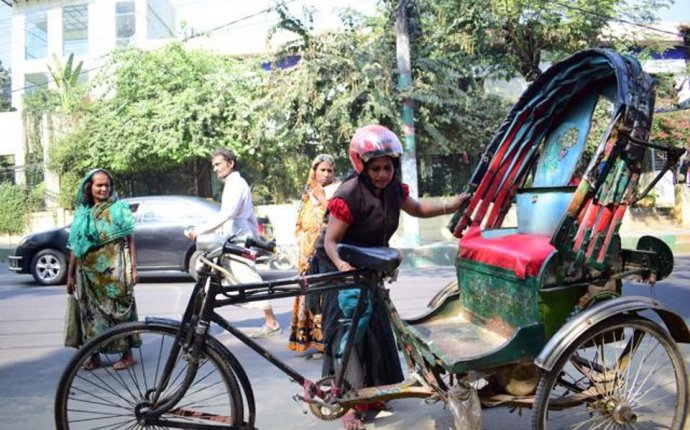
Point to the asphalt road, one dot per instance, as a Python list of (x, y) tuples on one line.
[(32, 355)]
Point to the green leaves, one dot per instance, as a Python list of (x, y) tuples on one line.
[(15, 208), (5, 90)]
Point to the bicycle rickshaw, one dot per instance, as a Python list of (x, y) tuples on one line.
[(536, 319)]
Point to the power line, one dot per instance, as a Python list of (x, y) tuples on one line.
[(610, 18), (192, 36), (204, 33), (269, 9)]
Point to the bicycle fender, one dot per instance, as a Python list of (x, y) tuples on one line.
[(574, 328), (229, 358)]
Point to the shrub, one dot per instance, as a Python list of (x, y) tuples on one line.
[(14, 211)]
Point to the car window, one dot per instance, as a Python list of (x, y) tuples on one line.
[(173, 211)]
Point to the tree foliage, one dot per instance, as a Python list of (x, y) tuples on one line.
[(167, 109), (163, 108), (66, 78), (5, 90), (347, 79), (670, 126), (14, 210), (521, 32)]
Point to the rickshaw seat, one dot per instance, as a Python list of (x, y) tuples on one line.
[(380, 259), (521, 253)]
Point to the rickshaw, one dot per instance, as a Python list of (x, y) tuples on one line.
[(536, 319)]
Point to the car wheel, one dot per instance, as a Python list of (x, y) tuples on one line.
[(193, 263), (49, 267)]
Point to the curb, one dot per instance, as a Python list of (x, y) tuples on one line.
[(678, 241), (4, 253), (444, 253), (432, 255)]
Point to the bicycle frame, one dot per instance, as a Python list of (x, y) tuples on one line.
[(201, 311)]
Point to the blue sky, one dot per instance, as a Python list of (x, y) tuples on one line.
[(679, 12)]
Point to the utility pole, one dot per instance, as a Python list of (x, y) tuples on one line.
[(409, 158)]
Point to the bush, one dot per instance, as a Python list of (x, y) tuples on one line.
[(15, 209), (69, 182), (36, 198)]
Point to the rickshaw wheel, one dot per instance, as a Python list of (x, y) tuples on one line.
[(625, 372)]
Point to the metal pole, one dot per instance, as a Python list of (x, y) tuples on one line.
[(409, 159)]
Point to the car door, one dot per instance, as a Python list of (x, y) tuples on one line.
[(159, 238)]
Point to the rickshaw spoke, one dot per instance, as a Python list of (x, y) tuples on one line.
[(624, 373)]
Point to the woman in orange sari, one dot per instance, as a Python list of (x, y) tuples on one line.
[(305, 331)]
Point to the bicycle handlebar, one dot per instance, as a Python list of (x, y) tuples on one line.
[(269, 246)]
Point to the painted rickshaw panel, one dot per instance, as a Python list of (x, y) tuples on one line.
[(509, 303)]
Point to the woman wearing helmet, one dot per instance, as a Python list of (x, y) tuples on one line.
[(365, 211)]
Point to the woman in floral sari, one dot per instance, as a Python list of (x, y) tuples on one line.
[(305, 330), (102, 269)]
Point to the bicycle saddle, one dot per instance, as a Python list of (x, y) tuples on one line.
[(380, 259)]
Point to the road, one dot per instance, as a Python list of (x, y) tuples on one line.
[(32, 356)]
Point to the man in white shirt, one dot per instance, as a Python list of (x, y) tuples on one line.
[(236, 218)]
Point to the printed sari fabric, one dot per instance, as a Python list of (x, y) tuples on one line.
[(105, 291), (305, 331)]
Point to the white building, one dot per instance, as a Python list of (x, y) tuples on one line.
[(43, 30), (91, 29)]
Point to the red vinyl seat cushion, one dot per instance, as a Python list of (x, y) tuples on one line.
[(524, 254)]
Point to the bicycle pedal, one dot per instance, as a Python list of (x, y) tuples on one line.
[(300, 402), (433, 399)]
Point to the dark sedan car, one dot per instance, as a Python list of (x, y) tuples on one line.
[(159, 238)]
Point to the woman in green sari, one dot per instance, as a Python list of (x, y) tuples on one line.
[(102, 269)]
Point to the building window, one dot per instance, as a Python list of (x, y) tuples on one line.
[(36, 34), (160, 19), (125, 25), (75, 30)]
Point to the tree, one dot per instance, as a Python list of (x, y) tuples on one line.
[(347, 79), (5, 90), (66, 78), (513, 36), (164, 109)]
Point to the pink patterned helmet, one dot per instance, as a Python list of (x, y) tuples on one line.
[(373, 141)]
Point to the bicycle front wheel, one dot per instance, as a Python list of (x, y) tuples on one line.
[(623, 373), (105, 398)]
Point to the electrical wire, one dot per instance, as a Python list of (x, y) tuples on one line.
[(269, 9), (610, 18), (185, 39)]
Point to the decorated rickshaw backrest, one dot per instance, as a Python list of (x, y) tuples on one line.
[(536, 157)]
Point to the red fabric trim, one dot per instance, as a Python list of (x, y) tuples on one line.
[(339, 209), (524, 254)]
